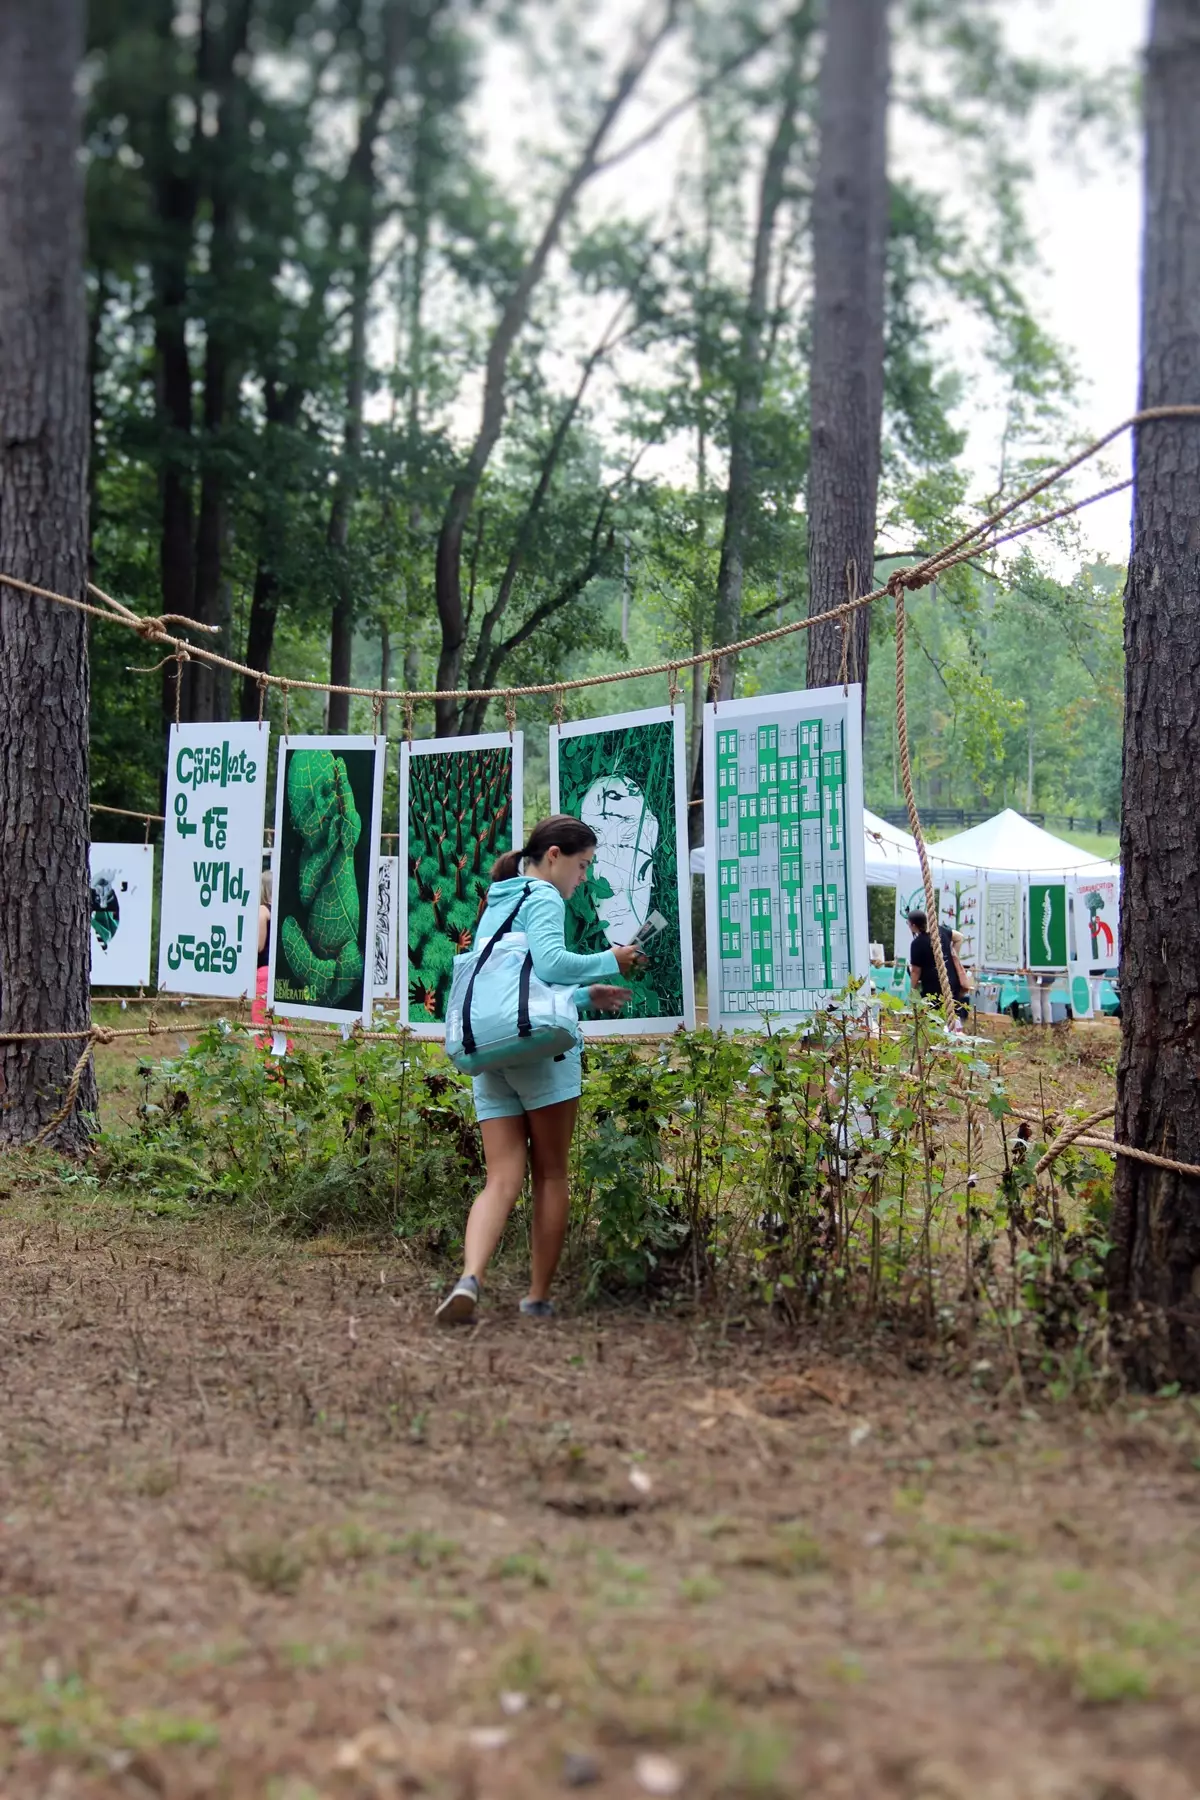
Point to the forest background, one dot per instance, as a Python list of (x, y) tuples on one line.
[(385, 409)]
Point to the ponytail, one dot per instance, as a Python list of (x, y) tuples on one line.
[(560, 831)]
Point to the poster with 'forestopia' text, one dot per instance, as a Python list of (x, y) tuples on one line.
[(625, 776), (212, 859)]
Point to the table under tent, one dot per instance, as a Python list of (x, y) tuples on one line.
[(1022, 899)]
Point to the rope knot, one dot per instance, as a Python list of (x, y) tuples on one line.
[(103, 1034)]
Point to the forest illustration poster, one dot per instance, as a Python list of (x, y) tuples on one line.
[(327, 816), (460, 808), (625, 777)]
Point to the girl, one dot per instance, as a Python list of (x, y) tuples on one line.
[(534, 1105)]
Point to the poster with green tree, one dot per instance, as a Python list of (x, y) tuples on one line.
[(624, 775), (460, 808)]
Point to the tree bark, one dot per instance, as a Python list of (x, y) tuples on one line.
[(1155, 1270), (741, 494), (44, 827), (850, 217), (448, 563)]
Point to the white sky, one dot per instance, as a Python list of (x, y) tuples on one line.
[(1085, 220)]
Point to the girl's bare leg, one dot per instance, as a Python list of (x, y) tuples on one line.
[(550, 1132), (504, 1150)]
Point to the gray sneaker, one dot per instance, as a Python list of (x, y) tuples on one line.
[(458, 1308), (537, 1309)]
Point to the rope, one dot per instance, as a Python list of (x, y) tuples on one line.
[(935, 936), (1076, 1129), (968, 544)]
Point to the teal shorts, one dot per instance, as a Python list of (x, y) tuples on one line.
[(507, 1093)]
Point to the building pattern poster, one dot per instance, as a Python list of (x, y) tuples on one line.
[(212, 859), (1002, 924), (1047, 925), (121, 907), (460, 808), (387, 886), (328, 803), (625, 776), (1097, 922), (785, 879)]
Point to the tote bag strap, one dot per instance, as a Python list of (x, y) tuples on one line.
[(468, 1036)]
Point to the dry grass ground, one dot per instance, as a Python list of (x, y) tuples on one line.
[(264, 1532)]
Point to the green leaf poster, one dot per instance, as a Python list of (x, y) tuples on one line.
[(624, 775), (1047, 935), (460, 808)]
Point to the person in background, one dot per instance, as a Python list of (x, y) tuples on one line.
[(258, 1011), (923, 969), (527, 1112)]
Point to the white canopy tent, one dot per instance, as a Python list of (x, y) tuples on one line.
[(1010, 844)]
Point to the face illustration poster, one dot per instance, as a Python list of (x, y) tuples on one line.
[(121, 904), (212, 859), (625, 776), (460, 808), (328, 802), (785, 875)]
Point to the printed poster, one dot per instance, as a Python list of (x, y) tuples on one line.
[(910, 897), (384, 976), (1047, 925), (1002, 925), (212, 859), (460, 808), (785, 878), (1097, 922), (960, 900), (121, 885), (625, 776), (328, 805)]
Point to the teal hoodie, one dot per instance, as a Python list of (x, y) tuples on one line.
[(542, 918)]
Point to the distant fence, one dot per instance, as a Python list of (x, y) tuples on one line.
[(939, 818)]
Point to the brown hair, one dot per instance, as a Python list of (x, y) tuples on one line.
[(919, 920), (561, 830)]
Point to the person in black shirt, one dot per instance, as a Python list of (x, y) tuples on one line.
[(923, 969)]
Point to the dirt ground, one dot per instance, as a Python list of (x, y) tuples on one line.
[(264, 1532)]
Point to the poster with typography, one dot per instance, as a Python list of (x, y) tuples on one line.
[(1002, 925), (460, 808), (1046, 925), (387, 887), (212, 859), (785, 877), (1097, 922), (121, 905), (328, 806), (626, 777)]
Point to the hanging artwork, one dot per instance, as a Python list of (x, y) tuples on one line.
[(1047, 925), (1001, 924), (328, 803), (1097, 922), (625, 776), (785, 879), (212, 856), (960, 897), (460, 808), (387, 886), (121, 898)]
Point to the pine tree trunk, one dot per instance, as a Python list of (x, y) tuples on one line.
[(44, 917), (850, 216), (1156, 1261)]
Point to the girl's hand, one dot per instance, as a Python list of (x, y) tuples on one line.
[(607, 999), (629, 957)]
